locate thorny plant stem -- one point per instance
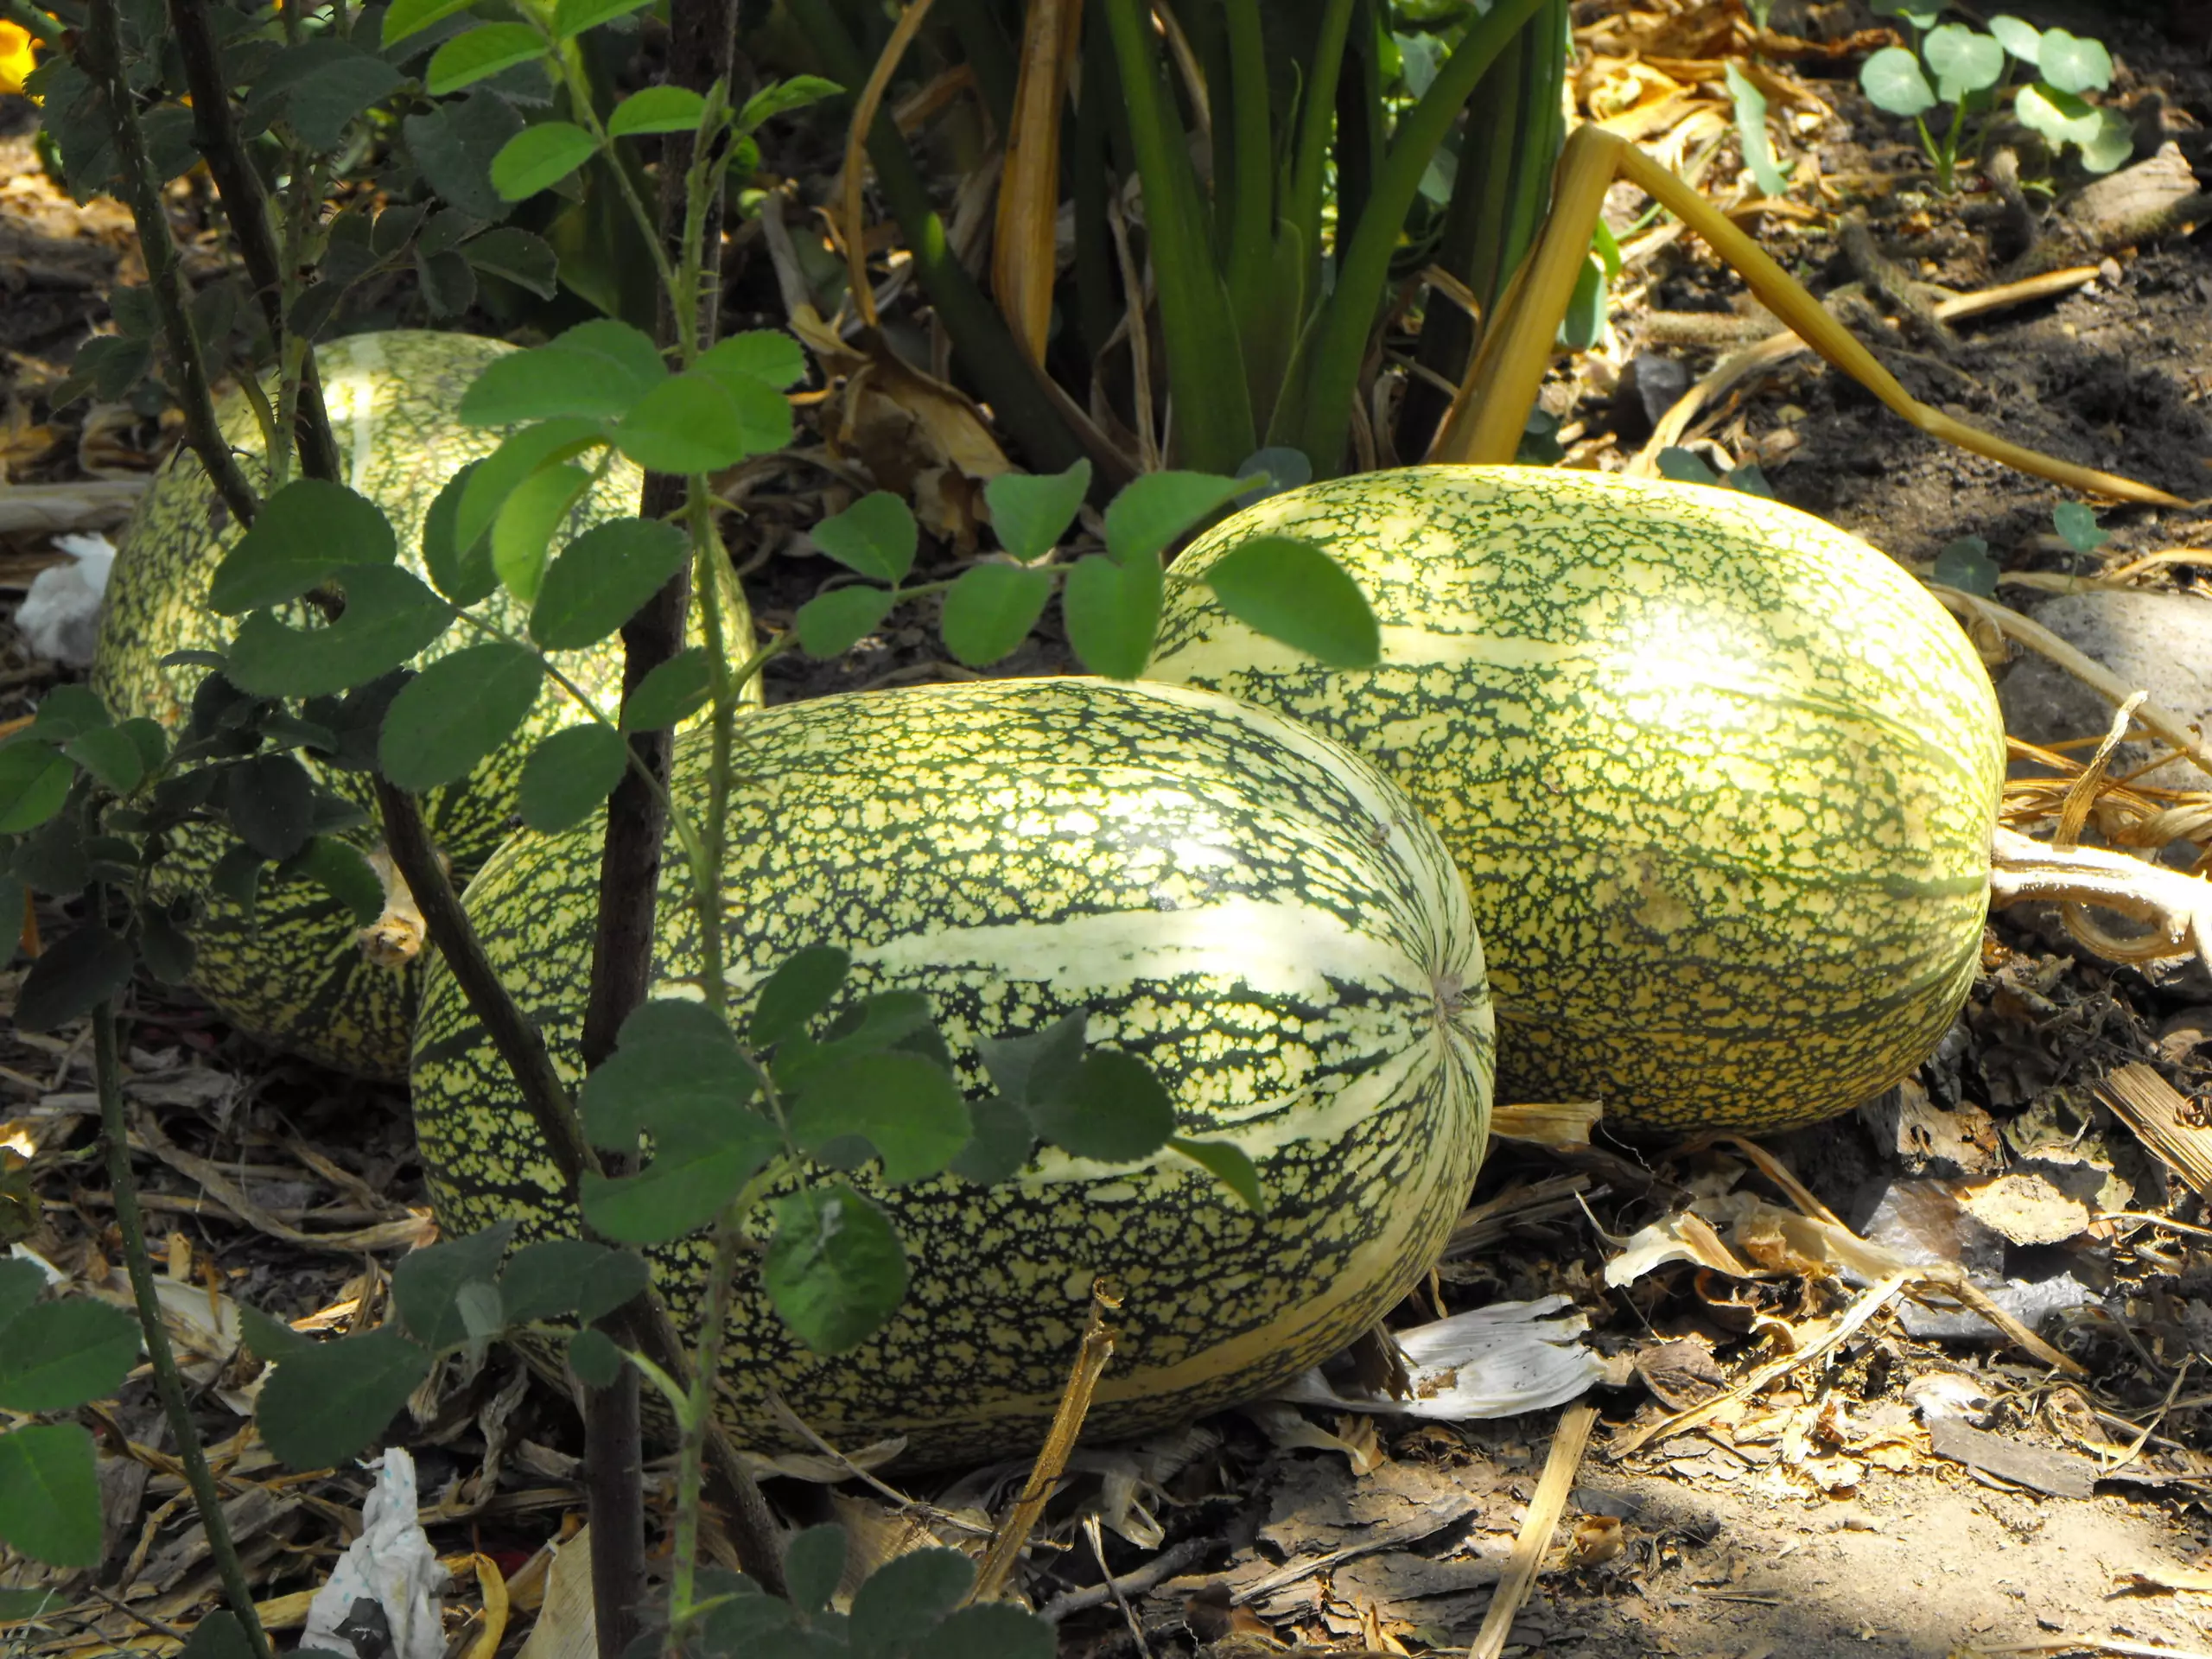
(101, 54)
(107, 1067)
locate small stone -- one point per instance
(2160, 643)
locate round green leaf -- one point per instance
(991, 610)
(62, 1354)
(304, 533)
(542, 385)
(1112, 612)
(1152, 511)
(833, 623)
(672, 692)
(479, 53)
(539, 157)
(2020, 39)
(998, 1628)
(1032, 513)
(835, 1269)
(698, 1168)
(904, 1106)
(456, 712)
(390, 617)
(2072, 64)
(876, 536)
(767, 355)
(657, 108)
(689, 423)
(522, 533)
(271, 801)
(594, 1358)
(600, 580)
(426, 1285)
(1892, 81)
(81, 968)
(35, 781)
(2077, 526)
(800, 989)
(814, 1562)
(1966, 564)
(626, 355)
(569, 774)
(1964, 61)
(110, 755)
(321, 1407)
(50, 1494)
(343, 871)
(2110, 141)
(1291, 591)
(908, 1593)
(1115, 1109)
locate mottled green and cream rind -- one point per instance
(1722, 778)
(1256, 913)
(293, 972)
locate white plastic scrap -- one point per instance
(59, 617)
(392, 1564)
(1496, 1362)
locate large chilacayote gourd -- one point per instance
(294, 971)
(1252, 910)
(1722, 778)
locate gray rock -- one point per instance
(2159, 643)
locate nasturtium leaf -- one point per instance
(696, 1171)
(343, 871)
(390, 617)
(657, 108)
(1031, 513)
(572, 17)
(569, 774)
(50, 1494)
(998, 1628)
(1150, 513)
(767, 355)
(1112, 612)
(1892, 80)
(463, 574)
(496, 477)
(832, 623)
(990, 609)
(541, 384)
(799, 988)
(1964, 61)
(1291, 591)
(1114, 1110)
(688, 424)
(405, 17)
(479, 53)
(594, 1358)
(671, 693)
(35, 781)
(779, 98)
(2072, 64)
(906, 1594)
(814, 1562)
(1228, 1164)
(907, 1109)
(876, 536)
(522, 536)
(515, 255)
(306, 532)
(538, 157)
(64, 1354)
(2023, 40)
(88, 966)
(1966, 564)
(457, 711)
(426, 1282)
(2078, 528)
(835, 1269)
(1271, 470)
(321, 1407)
(110, 755)
(271, 801)
(598, 581)
(2109, 141)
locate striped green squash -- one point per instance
(1722, 778)
(1252, 910)
(294, 971)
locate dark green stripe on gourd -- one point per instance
(1254, 911)
(1721, 777)
(293, 972)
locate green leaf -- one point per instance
(17, 1606)
(624, 354)
(1001, 1145)
(800, 989)
(594, 1358)
(905, 1108)
(457, 711)
(600, 580)
(217, 1636)
(408, 17)
(876, 536)
(516, 256)
(523, 534)
(616, 1277)
(1964, 61)
(1114, 1110)
(1151, 513)
(538, 157)
(35, 781)
(766, 355)
(1271, 470)
(81, 968)
(20, 1282)
(670, 693)
(1892, 80)
(779, 98)
(675, 1062)
(454, 144)
(1228, 1164)
(68, 711)
(112, 755)
(61, 1355)
(1751, 133)
(833, 623)
(689, 423)
(2109, 142)
(542, 385)
(542, 1281)
(2021, 39)
(343, 871)
(496, 477)
(1966, 564)
(814, 1562)
(997, 1628)
(270, 801)
(321, 1408)
(479, 53)
(908, 1594)
(1112, 612)
(50, 1494)
(835, 1269)
(1291, 591)
(2072, 64)
(694, 1173)
(462, 575)
(657, 108)
(2078, 527)
(270, 1338)
(306, 532)
(572, 17)
(991, 610)
(1032, 513)
(569, 774)
(391, 616)
(427, 1283)
(1686, 466)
